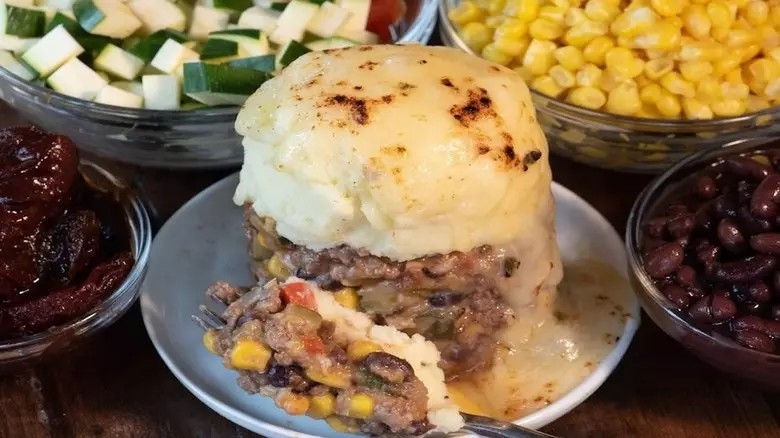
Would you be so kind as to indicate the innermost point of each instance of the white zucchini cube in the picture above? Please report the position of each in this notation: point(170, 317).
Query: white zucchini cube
point(206, 20)
point(161, 92)
point(359, 10)
point(158, 14)
point(10, 63)
point(77, 80)
point(15, 44)
point(358, 36)
point(119, 63)
point(57, 4)
point(131, 87)
point(259, 18)
point(110, 18)
point(293, 21)
point(115, 96)
point(328, 20)
point(52, 51)
point(171, 56)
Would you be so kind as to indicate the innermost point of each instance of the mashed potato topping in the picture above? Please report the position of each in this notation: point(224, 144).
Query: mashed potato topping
point(399, 150)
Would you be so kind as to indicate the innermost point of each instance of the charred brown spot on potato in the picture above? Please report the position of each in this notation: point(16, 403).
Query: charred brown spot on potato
point(446, 82)
point(365, 48)
point(357, 87)
point(509, 153)
point(483, 149)
point(531, 158)
point(396, 171)
point(396, 150)
point(357, 107)
point(341, 83)
point(478, 107)
point(387, 98)
point(368, 65)
point(422, 61)
point(494, 68)
point(406, 86)
point(312, 82)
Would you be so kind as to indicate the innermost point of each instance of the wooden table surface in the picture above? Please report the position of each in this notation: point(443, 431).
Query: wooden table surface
point(117, 386)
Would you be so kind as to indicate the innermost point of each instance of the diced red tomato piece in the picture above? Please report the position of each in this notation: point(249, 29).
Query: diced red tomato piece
point(382, 15)
point(300, 294)
point(313, 345)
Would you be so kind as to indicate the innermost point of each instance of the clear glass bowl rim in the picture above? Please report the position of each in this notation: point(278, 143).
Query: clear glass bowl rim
point(645, 204)
point(638, 123)
point(141, 231)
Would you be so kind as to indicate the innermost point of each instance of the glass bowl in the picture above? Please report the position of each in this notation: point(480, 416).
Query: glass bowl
point(622, 143)
point(716, 349)
point(61, 338)
point(193, 139)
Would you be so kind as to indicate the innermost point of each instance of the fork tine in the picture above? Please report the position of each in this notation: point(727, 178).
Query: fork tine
point(211, 317)
point(206, 326)
point(217, 300)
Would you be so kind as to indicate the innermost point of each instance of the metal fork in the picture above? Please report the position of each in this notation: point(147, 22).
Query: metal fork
point(482, 426)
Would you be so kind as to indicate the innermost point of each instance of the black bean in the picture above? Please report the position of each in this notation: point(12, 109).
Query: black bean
point(747, 322)
point(656, 227)
point(758, 292)
point(776, 282)
point(772, 329)
point(730, 236)
point(706, 188)
point(743, 271)
point(724, 206)
point(754, 308)
point(444, 299)
point(675, 210)
point(765, 197)
point(663, 260)
point(678, 296)
point(744, 192)
point(766, 243)
point(723, 308)
point(701, 310)
point(706, 252)
point(755, 340)
point(775, 312)
point(681, 226)
point(281, 376)
point(651, 244)
point(390, 368)
point(747, 168)
point(696, 291)
point(751, 224)
point(685, 276)
point(683, 241)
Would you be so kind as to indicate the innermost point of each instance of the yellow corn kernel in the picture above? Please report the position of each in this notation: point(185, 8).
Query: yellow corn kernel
point(663, 36)
point(553, 14)
point(340, 425)
point(495, 7)
point(624, 99)
point(642, 81)
point(675, 84)
point(667, 8)
point(570, 58)
point(526, 10)
point(741, 37)
point(774, 14)
point(735, 91)
point(769, 38)
point(321, 406)
point(547, 86)
point(542, 29)
point(764, 69)
point(772, 90)
point(539, 57)
point(655, 54)
point(774, 54)
point(248, 354)
point(633, 21)
point(601, 10)
point(512, 28)
point(333, 378)
point(609, 81)
point(589, 76)
point(648, 111)
point(622, 62)
point(749, 52)
point(675, 21)
point(277, 269)
point(726, 63)
point(583, 33)
point(524, 73)
point(476, 35)
point(595, 51)
point(466, 12)
point(701, 51)
point(588, 97)
point(650, 93)
point(361, 406)
point(696, 21)
point(493, 54)
point(694, 71)
point(708, 90)
point(720, 34)
point(720, 14)
point(574, 16)
point(734, 77)
point(347, 297)
point(728, 108)
point(495, 21)
point(293, 404)
point(512, 47)
point(695, 109)
point(210, 341)
point(756, 103)
point(668, 105)
point(563, 77)
point(656, 68)
point(739, 4)
point(358, 350)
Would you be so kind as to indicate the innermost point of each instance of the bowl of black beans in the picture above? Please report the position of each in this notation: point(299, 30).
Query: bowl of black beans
point(703, 241)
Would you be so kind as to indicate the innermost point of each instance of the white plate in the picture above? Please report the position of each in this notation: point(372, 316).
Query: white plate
point(204, 242)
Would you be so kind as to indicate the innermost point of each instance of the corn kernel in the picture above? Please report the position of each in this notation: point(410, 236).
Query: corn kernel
point(466, 12)
point(563, 77)
point(622, 62)
point(734, 77)
point(757, 13)
point(725, 64)
point(667, 8)
point(588, 97)
point(542, 29)
point(358, 350)
point(663, 36)
point(720, 34)
point(756, 103)
point(708, 90)
point(634, 21)
point(493, 54)
point(210, 341)
point(720, 14)
point(696, 21)
point(764, 70)
point(695, 109)
point(675, 84)
point(277, 269)
point(569, 58)
point(774, 54)
point(642, 81)
point(321, 406)
point(513, 47)
point(735, 91)
point(772, 90)
point(334, 378)
point(251, 355)
point(595, 51)
point(774, 15)
point(526, 10)
point(524, 73)
point(539, 57)
point(476, 35)
point(361, 406)
point(728, 108)
point(293, 404)
point(624, 100)
point(650, 93)
point(512, 28)
point(574, 16)
point(347, 297)
point(741, 37)
point(769, 37)
point(589, 76)
point(547, 86)
point(656, 68)
point(601, 10)
point(495, 7)
point(668, 105)
point(340, 425)
point(648, 111)
point(495, 21)
point(701, 51)
point(675, 21)
point(609, 81)
point(583, 33)
point(553, 14)
point(749, 52)
point(694, 71)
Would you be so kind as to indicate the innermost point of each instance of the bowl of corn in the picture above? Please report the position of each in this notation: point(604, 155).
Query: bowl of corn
point(633, 85)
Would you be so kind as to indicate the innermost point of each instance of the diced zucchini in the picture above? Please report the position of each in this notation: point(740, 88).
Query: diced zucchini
point(109, 95)
point(278, 6)
point(359, 10)
point(252, 42)
point(110, 18)
point(263, 3)
point(214, 84)
point(52, 51)
point(157, 15)
point(259, 18)
point(358, 36)
point(191, 106)
point(161, 92)
point(10, 63)
point(21, 3)
point(266, 63)
point(134, 87)
point(219, 50)
point(328, 20)
point(289, 53)
point(149, 46)
point(60, 5)
point(119, 63)
point(206, 20)
point(103, 75)
point(234, 5)
point(293, 21)
point(15, 44)
point(75, 79)
point(60, 19)
point(330, 43)
point(237, 32)
point(171, 56)
point(21, 22)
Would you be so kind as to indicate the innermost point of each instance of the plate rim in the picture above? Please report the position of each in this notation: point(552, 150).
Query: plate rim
point(540, 418)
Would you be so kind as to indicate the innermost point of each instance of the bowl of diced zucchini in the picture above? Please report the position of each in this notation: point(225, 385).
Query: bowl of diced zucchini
point(159, 82)
point(633, 85)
